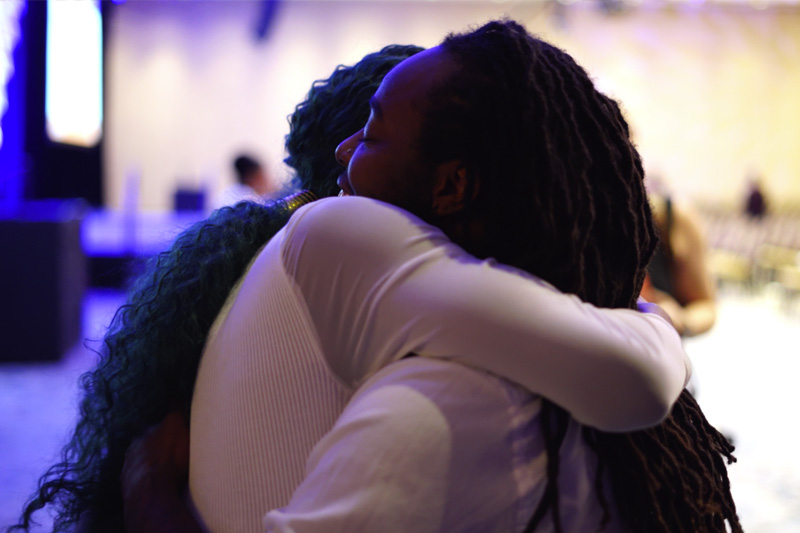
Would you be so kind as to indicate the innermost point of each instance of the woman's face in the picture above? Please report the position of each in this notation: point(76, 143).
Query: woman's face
point(383, 159)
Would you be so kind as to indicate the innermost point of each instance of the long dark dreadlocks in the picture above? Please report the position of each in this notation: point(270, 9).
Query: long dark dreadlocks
point(152, 349)
point(555, 163)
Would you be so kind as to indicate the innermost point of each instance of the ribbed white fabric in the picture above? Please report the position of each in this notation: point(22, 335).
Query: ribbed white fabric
point(253, 423)
point(351, 285)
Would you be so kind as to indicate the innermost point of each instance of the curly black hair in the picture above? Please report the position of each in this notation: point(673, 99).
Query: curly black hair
point(148, 363)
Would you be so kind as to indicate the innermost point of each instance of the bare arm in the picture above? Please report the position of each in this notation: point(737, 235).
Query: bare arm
point(692, 306)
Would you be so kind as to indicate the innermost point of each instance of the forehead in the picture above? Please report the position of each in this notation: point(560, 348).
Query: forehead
point(410, 81)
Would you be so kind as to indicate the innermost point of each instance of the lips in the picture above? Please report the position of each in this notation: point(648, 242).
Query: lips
point(344, 185)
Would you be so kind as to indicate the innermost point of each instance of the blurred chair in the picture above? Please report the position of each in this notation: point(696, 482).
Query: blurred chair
point(770, 259)
point(189, 200)
point(730, 267)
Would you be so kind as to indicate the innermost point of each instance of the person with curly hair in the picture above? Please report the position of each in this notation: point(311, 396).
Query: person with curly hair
point(148, 362)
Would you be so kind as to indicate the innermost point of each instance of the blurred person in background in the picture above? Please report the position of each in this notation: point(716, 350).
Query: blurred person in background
point(755, 204)
point(678, 276)
point(253, 184)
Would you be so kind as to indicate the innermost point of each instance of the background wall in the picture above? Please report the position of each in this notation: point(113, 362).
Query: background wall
point(711, 91)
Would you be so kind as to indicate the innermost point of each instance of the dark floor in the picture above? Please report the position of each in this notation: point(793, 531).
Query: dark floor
point(38, 403)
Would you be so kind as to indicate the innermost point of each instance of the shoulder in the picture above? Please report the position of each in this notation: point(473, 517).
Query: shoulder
point(687, 218)
point(348, 208)
point(356, 215)
point(356, 232)
point(688, 235)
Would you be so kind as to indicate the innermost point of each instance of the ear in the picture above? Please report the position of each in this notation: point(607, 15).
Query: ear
point(451, 186)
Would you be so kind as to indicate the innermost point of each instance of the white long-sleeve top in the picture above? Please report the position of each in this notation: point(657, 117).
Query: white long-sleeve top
point(351, 285)
point(431, 446)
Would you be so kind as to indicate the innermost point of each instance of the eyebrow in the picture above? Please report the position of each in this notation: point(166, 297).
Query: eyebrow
point(376, 107)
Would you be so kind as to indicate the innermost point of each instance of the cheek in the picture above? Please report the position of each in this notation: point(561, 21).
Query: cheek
point(360, 170)
point(378, 172)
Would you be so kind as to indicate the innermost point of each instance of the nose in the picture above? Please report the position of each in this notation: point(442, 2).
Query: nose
point(345, 149)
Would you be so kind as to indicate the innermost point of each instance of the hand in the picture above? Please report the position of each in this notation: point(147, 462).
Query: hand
point(647, 307)
point(155, 472)
point(671, 306)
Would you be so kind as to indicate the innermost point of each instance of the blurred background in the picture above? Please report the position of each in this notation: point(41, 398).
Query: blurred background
point(120, 122)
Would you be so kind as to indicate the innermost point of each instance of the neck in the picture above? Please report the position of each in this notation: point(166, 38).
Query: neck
point(468, 234)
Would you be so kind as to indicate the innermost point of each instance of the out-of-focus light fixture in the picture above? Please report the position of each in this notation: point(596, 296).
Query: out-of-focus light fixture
point(10, 12)
point(74, 72)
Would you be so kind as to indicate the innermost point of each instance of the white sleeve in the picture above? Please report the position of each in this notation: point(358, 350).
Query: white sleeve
point(383, 467)
point(423, 446)
point(380, 283)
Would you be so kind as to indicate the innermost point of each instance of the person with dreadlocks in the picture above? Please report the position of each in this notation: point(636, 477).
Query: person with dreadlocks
point(152, 351)
point(352, 284)
point(387, 147)
point(550, 182)
point(528, 163)
point(513, 130)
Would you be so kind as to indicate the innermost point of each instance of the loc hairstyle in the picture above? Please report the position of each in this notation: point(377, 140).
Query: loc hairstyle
point(561, 191)
point(151, 352)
